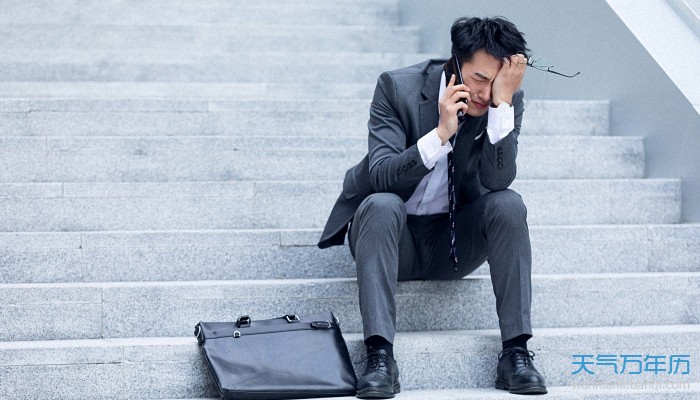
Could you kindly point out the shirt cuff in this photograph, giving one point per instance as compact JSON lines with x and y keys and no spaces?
{"x":501,"y":122}
{"x":431,"y":149}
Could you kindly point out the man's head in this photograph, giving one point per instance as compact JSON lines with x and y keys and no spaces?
{"x":496,"y":36}
{"x":481,"y":45}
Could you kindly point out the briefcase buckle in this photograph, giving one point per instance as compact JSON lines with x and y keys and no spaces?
{"x":321,"y":325}
{"x":243,"y":321}
{"x":291,"y":318}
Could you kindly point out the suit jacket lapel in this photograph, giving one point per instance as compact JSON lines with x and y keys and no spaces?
{"x":428,"y":108}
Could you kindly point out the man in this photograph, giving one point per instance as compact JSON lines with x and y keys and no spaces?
{"x":431,"y":199}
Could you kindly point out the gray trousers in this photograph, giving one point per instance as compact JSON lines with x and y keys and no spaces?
{"x":390,"y":246}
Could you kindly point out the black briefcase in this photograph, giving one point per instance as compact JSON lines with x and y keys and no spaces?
{"x":290,"y":357}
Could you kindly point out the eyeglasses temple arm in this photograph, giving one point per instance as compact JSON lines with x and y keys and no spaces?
{"x":564,"y":75}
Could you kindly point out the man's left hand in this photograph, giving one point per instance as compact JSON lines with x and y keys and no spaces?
{"x":508,"y":79}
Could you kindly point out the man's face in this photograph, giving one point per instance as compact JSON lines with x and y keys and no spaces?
{"x":478,"y":74}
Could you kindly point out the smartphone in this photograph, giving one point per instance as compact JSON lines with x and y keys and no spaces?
{"x":453,"y":67}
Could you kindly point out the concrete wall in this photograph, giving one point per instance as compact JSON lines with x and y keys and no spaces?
{"x":589,"y":37}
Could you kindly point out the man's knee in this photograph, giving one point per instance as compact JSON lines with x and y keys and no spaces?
{"x":505,"y":205}
{"x":382,"y":206}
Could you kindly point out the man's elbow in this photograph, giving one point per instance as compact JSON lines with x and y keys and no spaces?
{"x":378,"y":180}
{"x":497,"y":182}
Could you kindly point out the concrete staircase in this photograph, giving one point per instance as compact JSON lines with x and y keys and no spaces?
{"x":163,"y":162}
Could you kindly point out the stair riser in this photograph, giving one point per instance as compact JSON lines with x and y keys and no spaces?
{"x":137,"y":371}
{"x":214,"y":71}
{"x":182,"y":90}
{"x":141,"y":310}
{"x":191,"y":118}
{"x":221,"y":12}
{"x":215,"y":159}
{"x":230,"y":255}
{"x":259,"y":58}
{"x":214,"y":39}
{"x":253,"y":205}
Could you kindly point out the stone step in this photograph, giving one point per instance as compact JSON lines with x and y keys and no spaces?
{"x":68,"y":12}
{"x":143,"y":309}
{"x":458,"y":359}
{"x":134,"y":368}
{"x":259,"y":58}
{"x":171,"y":159}
{"x":198,"y":66}
{"x":618,"y":391}
{"x":185,"y":90}
{"x":231,"y":38}
{"x":292,"y":254}
{"x":267,"y":204}
{"x":295,"y":115}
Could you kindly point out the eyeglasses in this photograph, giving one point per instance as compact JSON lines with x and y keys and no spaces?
{"x":543,"y":65}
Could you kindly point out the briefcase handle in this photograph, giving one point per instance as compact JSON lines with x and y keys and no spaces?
{"x":244,"y":321}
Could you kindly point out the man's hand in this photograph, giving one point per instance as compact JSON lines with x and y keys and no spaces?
{"x":508,"y":79}
{"x":450,"y":104}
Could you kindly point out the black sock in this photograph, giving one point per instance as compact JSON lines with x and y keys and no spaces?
{"x":379,"y":343}
{"x":518,"y":341}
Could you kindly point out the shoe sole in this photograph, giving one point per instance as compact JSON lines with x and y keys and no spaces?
{"x":520,"y":390}
{"x":375,"y":393}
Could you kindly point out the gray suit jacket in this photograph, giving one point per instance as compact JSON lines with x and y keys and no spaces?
{"x":404,"y":108}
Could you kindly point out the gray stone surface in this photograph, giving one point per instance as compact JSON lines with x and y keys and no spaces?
{"x":301,"y":117}
{"x":113,"y":310}
{"x":608,"y":201}
{"x":50,"y":314}
{"x":202,"y":263}
{"x":209,"y":69}
{"x":206,"y":12}
{"x":589,"y":118}
{"x":30,"y":190}
{"x":157,"y":159}
{"x":675,"y":248}
{"x":233,"y":38}
{"x":190,"y":90}
{"x":458,"y":359}
{"x":94,"y":381}
{"x":266,"y":204}
{"x":292,"y":254}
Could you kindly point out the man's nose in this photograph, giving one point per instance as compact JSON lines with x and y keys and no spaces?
{"x":484,"y":93}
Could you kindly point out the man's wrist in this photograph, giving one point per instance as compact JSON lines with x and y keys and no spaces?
{"x":497,"y":101}
{"x":442,"y":134}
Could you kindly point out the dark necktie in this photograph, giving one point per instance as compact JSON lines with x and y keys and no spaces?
{"x":451,"y":198}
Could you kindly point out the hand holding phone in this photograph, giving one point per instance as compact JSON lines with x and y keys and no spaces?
{"x":449,"y":106}
{"x":452,"y":67}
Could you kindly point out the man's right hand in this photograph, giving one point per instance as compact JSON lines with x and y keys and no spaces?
{"x":450,"y":105}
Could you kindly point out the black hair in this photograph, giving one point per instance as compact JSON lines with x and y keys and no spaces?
{"x":497,"y":36}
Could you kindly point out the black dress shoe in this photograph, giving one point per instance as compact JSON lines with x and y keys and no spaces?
{"x":381,"y":377}
{"x":517,"y":374}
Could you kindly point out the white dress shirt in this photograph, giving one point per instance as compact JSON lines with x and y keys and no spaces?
{"x":430,"y":196}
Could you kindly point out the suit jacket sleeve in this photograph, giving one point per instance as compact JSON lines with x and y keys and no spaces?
{"x":393,"y":166}
{"x":497,"y":168}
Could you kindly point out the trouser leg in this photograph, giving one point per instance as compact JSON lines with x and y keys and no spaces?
{"x":493,"y":228}
{"x":510,"y":261}
{"x":384,"y":253}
